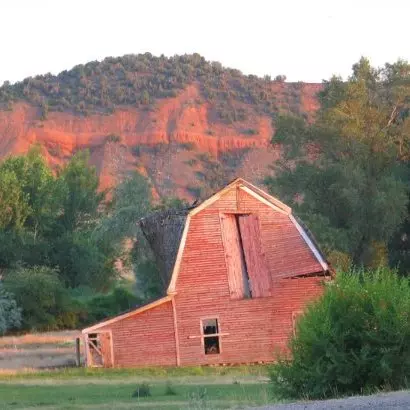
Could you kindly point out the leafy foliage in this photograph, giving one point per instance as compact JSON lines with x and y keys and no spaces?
{"x":39,"y":193}
{"x":142,"y":390}
{"x":48,"y":220}
{"x":10,"y":314}
{"x":140,"y":80}
{"x":101,"y":306}
{"x":47,"y":240}
{"x":356,"y":338}
{"x":82,"y":260}
{"x":131,"y":201}
{"x":345,"y":174}
{"x":14,"y":210}
{"x":40,"y":294}
{"x":80,"y":197}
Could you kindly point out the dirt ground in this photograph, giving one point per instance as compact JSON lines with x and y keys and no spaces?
{"x":37,"y":351}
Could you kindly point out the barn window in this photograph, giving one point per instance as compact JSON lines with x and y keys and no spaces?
{"x":248,"y":275}
{"x":210,"y":335}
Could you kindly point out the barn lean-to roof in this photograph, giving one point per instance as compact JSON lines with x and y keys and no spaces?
{"x":166,"y":232}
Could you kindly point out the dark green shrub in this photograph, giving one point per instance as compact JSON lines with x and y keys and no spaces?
{"x":113,"y":138}
{"x":187,"y":146}
{"x":194,"y":191}
{"x":356,"y":338}
{"x":142,"y":390}
{"x":107,"y":305}
{"x":169,"y":389}
{"x":82,"y":261}
{"x":191,"y":162}
{"x":10,"y":313}
{"x":41,"y":295}
{"x":250,"y":131}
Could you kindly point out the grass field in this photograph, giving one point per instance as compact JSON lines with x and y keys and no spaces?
{"x":34,"y":375}
{"x":193,"y":388}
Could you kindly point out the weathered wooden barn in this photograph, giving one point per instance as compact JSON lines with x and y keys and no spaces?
{"x":239,"y":269}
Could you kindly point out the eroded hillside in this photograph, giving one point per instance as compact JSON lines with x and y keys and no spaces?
{"x":178,"y":139}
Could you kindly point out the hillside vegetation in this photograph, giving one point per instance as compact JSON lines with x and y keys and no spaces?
{"x":140,"y":80}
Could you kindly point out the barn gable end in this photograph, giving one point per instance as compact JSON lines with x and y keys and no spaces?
{"x":289,"y":249}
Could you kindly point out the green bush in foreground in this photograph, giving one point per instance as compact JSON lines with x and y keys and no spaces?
{"x":355,"y":338}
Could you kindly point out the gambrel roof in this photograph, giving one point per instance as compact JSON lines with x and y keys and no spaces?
{"x":262,"y":196}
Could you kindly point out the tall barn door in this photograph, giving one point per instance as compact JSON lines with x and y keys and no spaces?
{"x":237,"y":277}
{"x":257,"y":268}
{"x":99,"y":349}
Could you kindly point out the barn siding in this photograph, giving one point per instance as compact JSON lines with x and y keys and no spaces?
{"x":256,"y":327}
{"x":145,"y":339}
{"x":253,"y":329}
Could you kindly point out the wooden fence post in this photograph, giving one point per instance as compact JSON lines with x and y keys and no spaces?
{"x":77,"y":352}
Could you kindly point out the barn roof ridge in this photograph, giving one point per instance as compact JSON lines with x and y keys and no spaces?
{"x":238,"y":182}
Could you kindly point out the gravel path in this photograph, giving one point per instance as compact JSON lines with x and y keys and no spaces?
{"x":397,"y":400}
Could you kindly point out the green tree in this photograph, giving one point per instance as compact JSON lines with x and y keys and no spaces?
{"x":40,"y":294}
{"x":131,"y":201}
{"x":344,"y":174}
{"x":10,"y":313}
{"x":80,"y":196}
{"x":14,"y":208}
{"x":82,"y":261}
{"x":39,"y":189}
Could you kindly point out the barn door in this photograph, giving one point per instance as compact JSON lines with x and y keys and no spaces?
{"x":99,"y":351}
{"x":258,"y":272}
{"x":235,"y":261}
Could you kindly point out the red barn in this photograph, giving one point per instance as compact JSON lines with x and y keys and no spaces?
{"x":238,"y":268}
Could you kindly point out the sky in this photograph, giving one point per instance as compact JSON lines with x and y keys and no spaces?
{"x":306,"y":40}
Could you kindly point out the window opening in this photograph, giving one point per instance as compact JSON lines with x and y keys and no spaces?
{"x":210,"y":333}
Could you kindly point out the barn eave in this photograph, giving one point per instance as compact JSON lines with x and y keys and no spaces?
{"x":126,"y":315}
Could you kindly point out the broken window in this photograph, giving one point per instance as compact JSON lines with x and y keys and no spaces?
{"x":210,"y":334}
{"x":247,"y":268}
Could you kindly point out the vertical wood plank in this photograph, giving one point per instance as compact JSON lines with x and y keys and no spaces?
{"x":233,"y":255}
{"x":105,"y":340}
{"x":174,"y":313}
{"x":255,"y":259}
{"x":77,"y":352}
